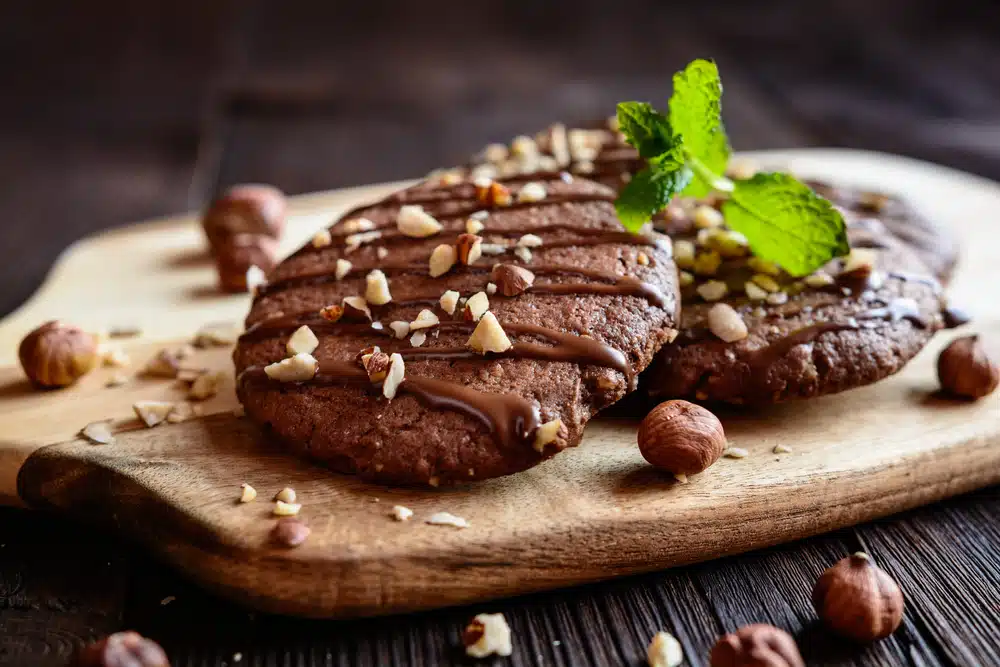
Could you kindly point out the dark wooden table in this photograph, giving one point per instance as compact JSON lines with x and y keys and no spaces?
{"x":114,"y":111}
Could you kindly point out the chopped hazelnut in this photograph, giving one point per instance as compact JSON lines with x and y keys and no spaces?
{"x":395,"y":377}
{"x":297,"y":368}
{"x":486,"y":635}
{"x":255,"y":278}
{"x":529,"y":241}
{"x":735,"y":453}
{"x":782,"y":449}
{"x":860,"y":260}
{"x":777,"y":298}
{"x":446,"y":519}
{"x":152,"y":412}
{"x":491,"y":288}
{"x":116,"y":380}
{"x":706,"y":217}
{"x":180,"y":412}
{"x":819,"y":280}
{"x":493,"y":249}
{"x":489,"y":336}
{"x":322,"y":239}
{"x":164,"y":364}
{"x":754,"y":291}
{"x":477,"y":304}
{"x":532,"y":192}
{"x":766,"y":282}
{"x":217,"y":334}
{"x":331,"y":313}
{"x":418,"y":339}
{"x":401,"y":513}
{"x":707,"y":263}
{"x":642,"y":259}
{"x":726,"y":323}
{"x":713,"y":290}
{"x":354,"y":241}
{"x":664,"y":651}
{"x":282,"y":508}
{"x":356,"y":307}
{"x":469,"y":248}
{"x":685,"y":279}
{"x":342,"y":269}
{"x":99,"y":433}
{"x":400,"y":329}
{"x":247,"y":494}
{"x":376,"y":364}
{"x":206,"y":385}
{"x":491,"y":193}
{"x":355,"y":225}
{"x":415,"y":222}
{"x":303,"y":340}
{"x":286,"y":495}
{"x":551,"y":432}
{"x":512,"y":279}
{"x":448,"y":301}
{"x":377,"y":291}
{"x":473,"y":226}
{"x":425,"y":319}
{"x":442,"y":259}
{"x":684,"y":254}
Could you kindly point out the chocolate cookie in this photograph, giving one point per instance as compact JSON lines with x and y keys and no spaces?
{"x":600,"y":153}
{"x":752,"y":334}
{"x":505,"y":314}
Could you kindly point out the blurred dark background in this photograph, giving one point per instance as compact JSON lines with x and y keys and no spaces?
{"x":118,"y":110}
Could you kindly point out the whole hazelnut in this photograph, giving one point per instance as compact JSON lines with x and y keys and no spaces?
{"x":122,"y":649}
{"x":858,"y":599}
{"x":246,"y":209}
{"x":965,"y":369}
{"x":238,"y":253}
{"x":681,"y":437}
{"x":757,"y":645}
{"x":57,"y":354}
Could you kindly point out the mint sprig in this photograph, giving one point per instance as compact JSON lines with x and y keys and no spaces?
{"x":687,"y":153}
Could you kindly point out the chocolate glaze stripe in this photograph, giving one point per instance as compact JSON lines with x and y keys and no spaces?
{"x":621,"y":285}
{"x":581,"y":350}
{"x":459,"y":213}
{"x":511,"y":419}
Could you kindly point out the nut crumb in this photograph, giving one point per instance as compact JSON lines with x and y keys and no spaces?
{"x":395,"y":376}
{"x":206,"y":385}
{"x":248,"y":493}
{"x":217,"y":334}
{"x":114,"y":357}
{"x":255,"y":278}
{"x":297,"y":368}
{"x":446,"y":519}
{"x":664,"y":650}
{"x":116,"y":380}
{"x":782,"y":449}
{"x":303,"y":340}
{"x":735,"y":453}
{"x":99,"y":433}
{"x":401,"y":513}
{"x":486,"y":635}
{"x":681,"y":477}
{"x":322,"y":238}
{"x":152,"y":412}
{"x":342,"y":269}
{"x":282,"y":508}
{"x":165,"y":364}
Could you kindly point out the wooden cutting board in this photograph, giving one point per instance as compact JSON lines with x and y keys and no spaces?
{"x":591,"y":513}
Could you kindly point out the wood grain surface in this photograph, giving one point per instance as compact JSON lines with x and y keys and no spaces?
{"x":117,"y":111}
{"x":595,"y":512}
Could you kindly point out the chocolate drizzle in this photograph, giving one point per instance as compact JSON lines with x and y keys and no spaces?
{"x":510,"y":418}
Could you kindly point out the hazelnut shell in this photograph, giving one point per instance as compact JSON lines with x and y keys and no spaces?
{"x":757,"y":645}
{"x":857,"y":599}
{"x":57,"y":354}
{"x":966,"y":370}
{"x":681,"y":437}
{"x":246,"y":209}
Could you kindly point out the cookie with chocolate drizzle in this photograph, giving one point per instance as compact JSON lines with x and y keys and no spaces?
{"x":750,"y":333}
{"x":600,"y":153}
{"x":505,"y":314}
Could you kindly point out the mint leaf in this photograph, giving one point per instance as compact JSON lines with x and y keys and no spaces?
{"x":696,"y":115}
{"x":786,"y":222}
{"x":648,"y":193}
{"x":646,"y":129}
